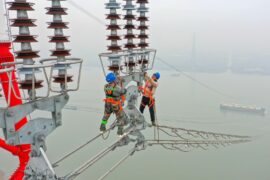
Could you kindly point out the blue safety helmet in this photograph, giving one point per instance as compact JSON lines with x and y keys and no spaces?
{"x":157,"y":75}
{"x":111,"y":77}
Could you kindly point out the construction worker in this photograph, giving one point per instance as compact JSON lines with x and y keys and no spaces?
{"x":113,"y":103}
{"x":148,"y":91}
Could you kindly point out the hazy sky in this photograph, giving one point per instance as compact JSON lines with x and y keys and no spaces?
{"x":221,"y":26}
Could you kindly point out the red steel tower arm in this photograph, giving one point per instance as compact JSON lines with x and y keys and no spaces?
{"x":21,"y":151}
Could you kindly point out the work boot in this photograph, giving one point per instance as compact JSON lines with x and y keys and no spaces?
{"x":102,"y":127}
{"x":153,"y":123}
{"x":120,"y":131}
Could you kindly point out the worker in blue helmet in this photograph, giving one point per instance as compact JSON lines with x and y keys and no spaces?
{"x":148,"y":91}
{"x":113,"y":103}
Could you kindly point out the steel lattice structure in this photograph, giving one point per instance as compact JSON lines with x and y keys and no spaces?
{"x":27,"y":139}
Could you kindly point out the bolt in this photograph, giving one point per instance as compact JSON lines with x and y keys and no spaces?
{"x":9,"y":113}
{"x":11,"y":142}
{"x":35,"y":105}
{"x":34,"y":153}
{"x":41,"y":138}
{"x":50,"y":175}
{"x":59,"y":123}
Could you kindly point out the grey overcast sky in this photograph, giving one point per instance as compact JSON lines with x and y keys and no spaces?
{"x":221,"y":26}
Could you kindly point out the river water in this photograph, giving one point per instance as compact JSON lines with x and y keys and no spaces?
{"x":181,"y":102}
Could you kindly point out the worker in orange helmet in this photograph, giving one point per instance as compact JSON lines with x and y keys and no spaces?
{"x":148,"y":91}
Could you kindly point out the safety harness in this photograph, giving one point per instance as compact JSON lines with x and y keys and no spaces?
{"x":111,"y":99}
{"x":148,"y":93}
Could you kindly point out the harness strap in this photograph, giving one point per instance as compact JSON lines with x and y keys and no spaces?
{"x":143,"y":104}
{"x":152,"y":102}
{"x":110,"y":98}
{"x":147,"y":93}
{"x":114,"y":102}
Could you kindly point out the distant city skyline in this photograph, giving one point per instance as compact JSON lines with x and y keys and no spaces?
{"x":220,"y":26}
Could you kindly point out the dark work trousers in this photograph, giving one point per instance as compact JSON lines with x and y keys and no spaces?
{"x":109,"y":109}
{"x":147,"y":102}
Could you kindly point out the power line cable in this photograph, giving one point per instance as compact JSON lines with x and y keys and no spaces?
{"x":196,"y":80}
{"x":97,"y":157}
{"x":83,"y":145}
{"x":122,"y":160}
{"x":89,"y":14}
{"x":94,"y":17}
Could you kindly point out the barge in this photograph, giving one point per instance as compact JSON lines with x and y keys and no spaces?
{"x":243,"y":108}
